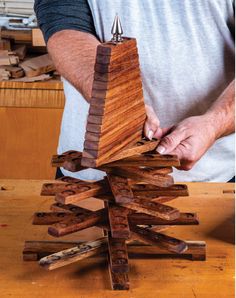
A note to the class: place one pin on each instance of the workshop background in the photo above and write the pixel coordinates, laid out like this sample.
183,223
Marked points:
31,96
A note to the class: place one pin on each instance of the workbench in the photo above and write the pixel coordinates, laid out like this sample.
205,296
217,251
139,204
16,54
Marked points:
149,276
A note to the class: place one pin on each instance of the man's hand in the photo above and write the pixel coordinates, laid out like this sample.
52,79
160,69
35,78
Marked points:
192,137
189,140
152,124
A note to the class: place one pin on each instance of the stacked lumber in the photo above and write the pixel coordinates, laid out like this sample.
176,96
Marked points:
8,58
21,36
117,110
32,61
4,74
20,8
37,66
29,70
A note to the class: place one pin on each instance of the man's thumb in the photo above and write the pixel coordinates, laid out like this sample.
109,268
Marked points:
169,142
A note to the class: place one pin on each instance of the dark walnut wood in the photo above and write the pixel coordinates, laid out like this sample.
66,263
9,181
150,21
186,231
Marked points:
118,255
120,188
70,160
169,243
118,220
74,254
117,83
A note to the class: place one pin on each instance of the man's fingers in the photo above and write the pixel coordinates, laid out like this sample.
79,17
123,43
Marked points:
186,156
152,123
170,142
158,133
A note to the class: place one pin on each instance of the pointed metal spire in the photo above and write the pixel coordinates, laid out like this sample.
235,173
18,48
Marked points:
116,30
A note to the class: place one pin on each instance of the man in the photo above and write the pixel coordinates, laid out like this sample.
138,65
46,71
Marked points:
186,52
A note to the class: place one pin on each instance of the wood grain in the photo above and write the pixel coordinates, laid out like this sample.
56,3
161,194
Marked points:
70,161
178,190
109,129
72,225
118,255
151,176
118,220
120,188
153,208
74,254
145,219
26,155
154,160
79,193
169,243
38,65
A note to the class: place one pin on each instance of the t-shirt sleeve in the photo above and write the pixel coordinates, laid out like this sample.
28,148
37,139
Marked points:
57,15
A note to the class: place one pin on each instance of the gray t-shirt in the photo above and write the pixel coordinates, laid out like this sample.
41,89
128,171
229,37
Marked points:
186,52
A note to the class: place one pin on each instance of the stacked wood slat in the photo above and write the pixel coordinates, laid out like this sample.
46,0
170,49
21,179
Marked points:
17,49
117,110
14,7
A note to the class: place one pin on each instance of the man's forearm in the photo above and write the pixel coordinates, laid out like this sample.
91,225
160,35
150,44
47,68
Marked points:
73,53
222,112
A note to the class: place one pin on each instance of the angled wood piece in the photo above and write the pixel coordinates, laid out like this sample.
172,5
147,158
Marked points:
153,208
8,58
118,219
75,211
51,189
196,250
82,192
120,188
79,223
114,82
145,219
140,147
118,255
48,218
68,179
70,208
34,250
153,160
36,66
15,72
90,156
151,176
71,255
179,190
70,160
169,243
163,199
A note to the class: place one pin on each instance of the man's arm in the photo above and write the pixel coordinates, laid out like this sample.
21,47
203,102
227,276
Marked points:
69,31
73,53
192,137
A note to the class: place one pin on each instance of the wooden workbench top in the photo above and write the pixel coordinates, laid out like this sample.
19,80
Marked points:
149,277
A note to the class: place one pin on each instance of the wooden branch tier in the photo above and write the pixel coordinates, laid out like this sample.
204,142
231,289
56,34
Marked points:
137,183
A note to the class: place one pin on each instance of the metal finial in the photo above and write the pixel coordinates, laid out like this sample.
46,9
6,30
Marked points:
116,30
